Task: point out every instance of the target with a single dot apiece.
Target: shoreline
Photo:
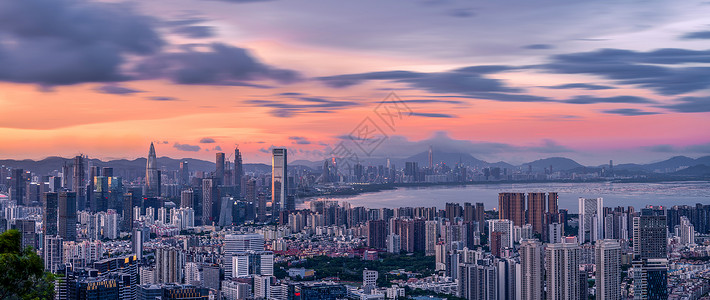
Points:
(376, 188)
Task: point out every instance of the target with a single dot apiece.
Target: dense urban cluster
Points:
(226, 234)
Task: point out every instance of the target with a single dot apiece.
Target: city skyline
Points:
(361, 150)
(626, 84)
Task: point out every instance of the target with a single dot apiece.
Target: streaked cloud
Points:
(186, 147)
(116, 89)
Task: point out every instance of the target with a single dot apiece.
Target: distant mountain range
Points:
(680, 165)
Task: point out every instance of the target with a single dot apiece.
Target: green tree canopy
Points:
(22, 273)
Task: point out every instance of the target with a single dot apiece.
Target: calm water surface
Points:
(614, 194)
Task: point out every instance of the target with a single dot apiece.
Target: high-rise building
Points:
(650, 279)
(469, 212)
(238, 169)
(210, 201)
(650, 240)
(169, 264)
(532, 268)
(583, 285)
(552, 199)
(591, 221)
(511, 206)
(262, 286)
(686, 231)
(536, 211)
(477, 281)
(608, 261)
(495, 242)
(562, 265)
(128, 211)
(377, 234)
(67, 216)
(480, 215)
(431, 158)
(252, 263)
(192, 273)
(210, 276)
(79, 182)
(219, 169)
(17, 185)
(187, 198)
(393, 243)
(184, 174)
(137, 243)
(555, 232)
(237, 243)
(507, 270)
(431, 237)
(369, 280)
(505, 227)
(650, 255)
(152, 175)
(279, 184)
(52, 253)
(50, 207)
(453, 211)
(28, 235)
(234, 290)
(412, 236)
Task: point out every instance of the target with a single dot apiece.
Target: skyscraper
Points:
(219, 168)
(531, 261)
(686, 231)
(238, 169)
(453, 211)
(431, 158)
(137, 243)
(552, 199)
(52, 253)
(562, 265)
(237, 243)
(187, 198)
(27, 231)
(184, 174)
(152, 176)
(79, 182)
(17, 185)
(469, 212)
(505, 227)
(279, 185)
(210, 199)
(511, 206)
(477, 281)
(128, 200)
(650, 255)
(650, 279)
(608, 260)
(430, 238)
(536, 211)
(591, 222)
(67, 216)
(65, 176)
(650, 239)
(480, 215)
(412, 236)
(50, 207)
(377, 234)
(169, 263)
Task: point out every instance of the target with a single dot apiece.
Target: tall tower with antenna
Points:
(152, 177)
(431, 158)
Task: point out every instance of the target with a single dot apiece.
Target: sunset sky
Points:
(502, 80)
